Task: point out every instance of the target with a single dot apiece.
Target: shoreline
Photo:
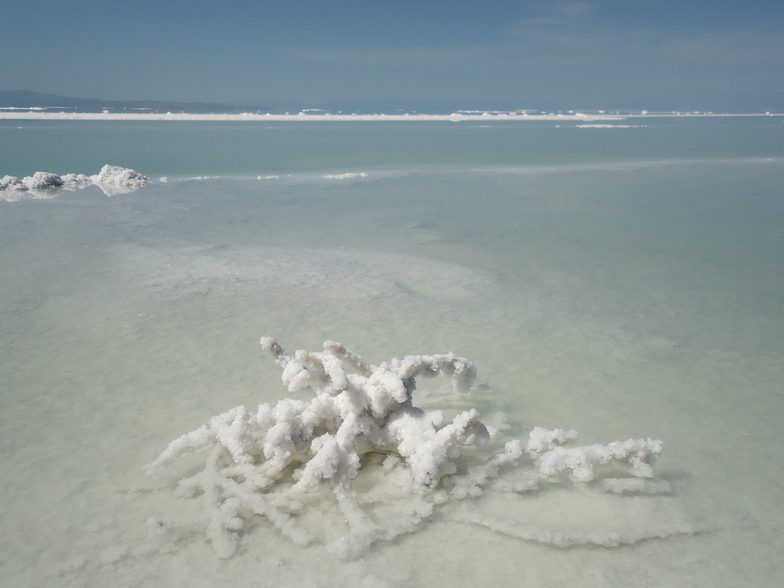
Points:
(309, 117)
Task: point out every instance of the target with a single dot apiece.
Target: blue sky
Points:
(643, 54)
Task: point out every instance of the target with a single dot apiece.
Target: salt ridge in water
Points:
(112, 180)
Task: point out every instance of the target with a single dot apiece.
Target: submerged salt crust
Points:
(333, 273)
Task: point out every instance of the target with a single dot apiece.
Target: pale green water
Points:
(622, 282)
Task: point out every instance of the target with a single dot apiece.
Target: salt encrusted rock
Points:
(265, 462)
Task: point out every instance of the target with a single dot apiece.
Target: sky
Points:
(719, 55)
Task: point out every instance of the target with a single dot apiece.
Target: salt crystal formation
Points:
(268, 462)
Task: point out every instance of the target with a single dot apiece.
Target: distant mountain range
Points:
(54, 103)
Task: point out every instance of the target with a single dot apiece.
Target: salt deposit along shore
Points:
(304, 116)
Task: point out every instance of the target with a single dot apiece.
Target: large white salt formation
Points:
(112, 180)
(361, 429)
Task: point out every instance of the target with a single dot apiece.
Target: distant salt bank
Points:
(304, 116)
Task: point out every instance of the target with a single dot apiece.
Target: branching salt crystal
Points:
(264, 462)
(234, 432)
(580, 461)
(541, 439)
(188, 442)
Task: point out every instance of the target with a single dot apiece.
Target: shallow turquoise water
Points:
(250, 148)
(621, 282)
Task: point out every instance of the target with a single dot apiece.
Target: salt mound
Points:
(276, 462)
(40, 185)
(115, 180)
(76, 181)
(43, 181)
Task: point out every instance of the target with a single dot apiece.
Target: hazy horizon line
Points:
(11, 100)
